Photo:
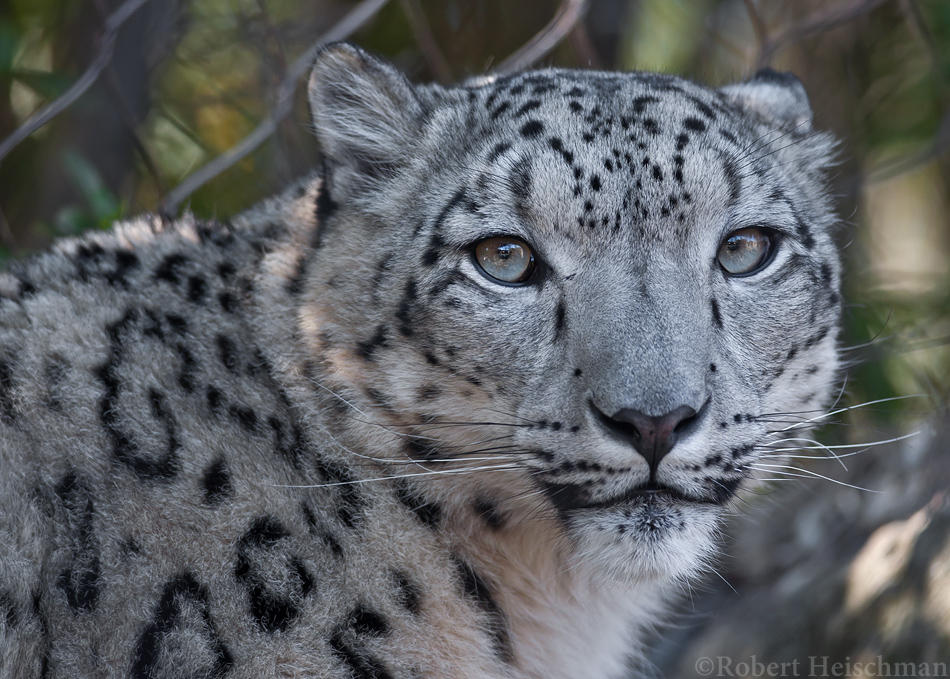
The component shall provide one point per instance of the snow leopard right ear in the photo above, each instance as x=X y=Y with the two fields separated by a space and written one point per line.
x=365 y=112
x=778 y=98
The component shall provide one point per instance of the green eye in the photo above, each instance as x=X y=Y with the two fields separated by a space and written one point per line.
x=746 y=251
x=505 y=259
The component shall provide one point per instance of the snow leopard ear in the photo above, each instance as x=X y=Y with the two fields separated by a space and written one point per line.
x=365 y=112
x=777 y=97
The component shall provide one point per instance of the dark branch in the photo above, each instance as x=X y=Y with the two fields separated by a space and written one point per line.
x=568 y=14
x=817 y=22
x=358 y=16
x=78 y=88
x=427 y=44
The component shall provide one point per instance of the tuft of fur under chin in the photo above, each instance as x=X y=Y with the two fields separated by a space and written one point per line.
x=672 y=550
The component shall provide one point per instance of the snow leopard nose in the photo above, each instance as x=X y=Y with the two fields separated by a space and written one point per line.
x=652 y=435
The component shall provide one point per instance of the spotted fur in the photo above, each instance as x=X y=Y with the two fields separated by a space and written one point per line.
x=316 y=441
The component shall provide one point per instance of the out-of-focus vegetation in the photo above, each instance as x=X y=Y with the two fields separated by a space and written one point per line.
x=190 y=78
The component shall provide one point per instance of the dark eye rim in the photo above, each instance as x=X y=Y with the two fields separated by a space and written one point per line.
x=774 y=237
x=535 y=266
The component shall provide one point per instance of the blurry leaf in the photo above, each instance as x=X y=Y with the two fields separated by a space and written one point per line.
x=9 y=41
x=103 y=206
x=47 y=85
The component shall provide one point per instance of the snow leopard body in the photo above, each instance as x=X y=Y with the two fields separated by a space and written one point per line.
x=316 y=440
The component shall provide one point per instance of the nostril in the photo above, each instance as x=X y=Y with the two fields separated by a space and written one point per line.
x=653 y=436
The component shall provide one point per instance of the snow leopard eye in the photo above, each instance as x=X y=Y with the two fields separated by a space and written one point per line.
x=505 y=259
x=746 y=251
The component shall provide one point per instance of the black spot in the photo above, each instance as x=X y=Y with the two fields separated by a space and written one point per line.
x=215 y=398
x=431 y=255
x=427 y=392
x=817 y=337
x=274 y=602
x=244 y=416
x=457 y=199
x=712 y=367
x=352 y=503
x=498 y=149
x=578 y=372
x=197 y=289
x=366 y=621
x=732 y=178
x=423 y=449
x=477 y=590
x=532 y=128
x=325 y=205
x=125 y=262
x=216 y=482
x=429 y=513
x=724 y=489
x=559 y=319
x=804 y=233
x=408 y=593
x=153 y=327
x=177 y=323
x=170 y=268
x=694 y=124
x=487 y=510
x=526 y=108
x=368 y=348
x=361 y=664
x=328 y=538
x=171 y=619
x=640 y=103
x=7 y=412
x=186 y=376
x=404 y=311
x=227 y=301
x=501 y=108
x=556 y=144
x=79 y=581
x=717 y=316
x=227 y=352
x=595 y=182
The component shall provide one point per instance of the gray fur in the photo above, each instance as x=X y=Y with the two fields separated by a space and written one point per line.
x=199 y=421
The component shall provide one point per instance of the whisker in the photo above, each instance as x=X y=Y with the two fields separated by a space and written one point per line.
x=863 y=405
x=777 y=469
x=397 y=476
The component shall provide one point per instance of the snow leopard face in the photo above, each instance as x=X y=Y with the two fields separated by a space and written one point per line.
x=597 y=292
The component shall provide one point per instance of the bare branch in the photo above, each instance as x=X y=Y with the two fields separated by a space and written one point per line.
x=427 y=44
x=938 y=147
x=78 y=88
x=758 y=26
x=568 y=14
x=580 y=40
x=819 y=21
x=358 y=16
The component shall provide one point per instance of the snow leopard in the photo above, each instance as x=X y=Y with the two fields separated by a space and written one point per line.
x=470 y=400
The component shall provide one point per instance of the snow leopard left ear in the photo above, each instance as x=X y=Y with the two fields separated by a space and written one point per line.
x=779 y=98
x=365 y=112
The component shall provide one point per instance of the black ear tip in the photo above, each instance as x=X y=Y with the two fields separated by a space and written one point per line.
x=773 y=77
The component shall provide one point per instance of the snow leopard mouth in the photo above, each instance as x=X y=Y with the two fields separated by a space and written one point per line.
x=568 y=497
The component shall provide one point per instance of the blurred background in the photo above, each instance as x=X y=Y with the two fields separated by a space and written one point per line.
x=167 y=105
